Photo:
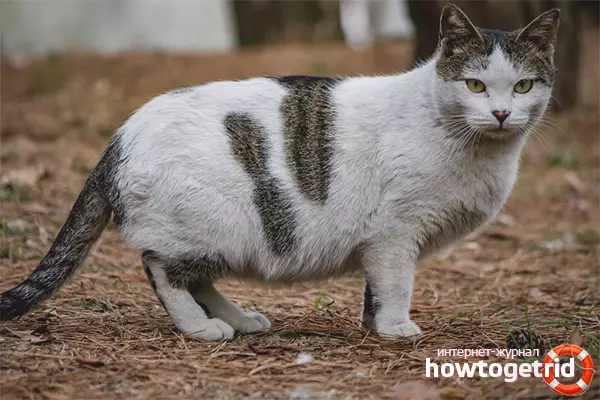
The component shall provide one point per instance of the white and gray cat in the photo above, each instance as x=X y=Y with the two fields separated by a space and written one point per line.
x=301 y=178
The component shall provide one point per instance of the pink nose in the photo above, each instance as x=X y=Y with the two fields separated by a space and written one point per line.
x=501 y=115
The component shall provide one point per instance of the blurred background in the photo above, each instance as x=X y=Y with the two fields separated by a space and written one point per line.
x=72 y=71
x=36 y=28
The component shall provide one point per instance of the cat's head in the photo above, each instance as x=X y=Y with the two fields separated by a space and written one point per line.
x=493 y=82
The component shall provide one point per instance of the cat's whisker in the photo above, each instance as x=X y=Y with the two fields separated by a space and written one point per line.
x=541 y=139
x=550 y=124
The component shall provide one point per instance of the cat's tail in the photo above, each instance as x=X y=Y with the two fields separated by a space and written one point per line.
x=83 y=227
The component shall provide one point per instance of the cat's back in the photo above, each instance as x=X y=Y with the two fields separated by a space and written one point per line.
x=267 y=163
x=196 y=113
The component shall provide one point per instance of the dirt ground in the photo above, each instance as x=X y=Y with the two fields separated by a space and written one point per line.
x=106 y=336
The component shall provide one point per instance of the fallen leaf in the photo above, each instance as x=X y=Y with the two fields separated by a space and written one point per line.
x=258 y=351
x=574 y=182
x=22 y=147
x=505 y=220
x=473 y=246
x=28 y=176
x=91 y=363
x=30 y=337
x=18 y=226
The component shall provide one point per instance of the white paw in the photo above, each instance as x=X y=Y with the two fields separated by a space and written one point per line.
x=209 y=329
x=251 y=322
x=393 y=331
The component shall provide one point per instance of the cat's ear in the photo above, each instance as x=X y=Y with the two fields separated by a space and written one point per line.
x=456 y=27
x=542 y=31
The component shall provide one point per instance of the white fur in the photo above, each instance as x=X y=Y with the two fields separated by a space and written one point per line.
x=229 y=312
x=187 y=315
x=397 y=178
x=499 y=79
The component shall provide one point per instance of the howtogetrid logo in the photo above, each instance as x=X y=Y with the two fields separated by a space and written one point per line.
x=552 y=369
x=552 y=365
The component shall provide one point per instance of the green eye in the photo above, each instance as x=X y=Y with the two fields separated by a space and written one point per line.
x=475 y=85
x=523 y=86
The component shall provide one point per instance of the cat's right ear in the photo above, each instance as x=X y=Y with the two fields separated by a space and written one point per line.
x=456 y=28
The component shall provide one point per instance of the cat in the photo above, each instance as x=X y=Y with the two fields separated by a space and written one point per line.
x=287 y=179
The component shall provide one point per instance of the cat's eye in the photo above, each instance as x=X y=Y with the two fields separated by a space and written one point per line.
x=523 y=86
x=475 y=86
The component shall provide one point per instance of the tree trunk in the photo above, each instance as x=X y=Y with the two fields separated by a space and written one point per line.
x=567 y=56
x=262 y=22
x=425 y=15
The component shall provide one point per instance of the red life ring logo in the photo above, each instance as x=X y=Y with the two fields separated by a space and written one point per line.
x=551 y=363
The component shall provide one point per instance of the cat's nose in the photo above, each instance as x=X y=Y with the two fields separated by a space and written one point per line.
x=501 y=115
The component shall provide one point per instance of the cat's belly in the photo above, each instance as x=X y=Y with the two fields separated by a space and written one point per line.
x=314 y=258
x=283 y=271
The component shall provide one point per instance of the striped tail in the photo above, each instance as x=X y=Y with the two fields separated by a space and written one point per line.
x=83 y=227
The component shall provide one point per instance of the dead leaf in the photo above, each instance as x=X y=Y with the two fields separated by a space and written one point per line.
x=28 y=176
x=30 y=337
x=18 y=226
x=91 y=363
x=472 y=246
x=259 y=351
x=505 y=220
x=25 y=149
x=574 y=182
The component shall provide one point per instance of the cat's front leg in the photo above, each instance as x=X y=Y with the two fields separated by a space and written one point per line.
x=389 y=274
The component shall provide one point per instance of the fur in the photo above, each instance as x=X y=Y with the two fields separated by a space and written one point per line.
x=302 y=178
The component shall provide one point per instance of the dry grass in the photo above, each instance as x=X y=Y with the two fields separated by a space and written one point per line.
x=105 y=335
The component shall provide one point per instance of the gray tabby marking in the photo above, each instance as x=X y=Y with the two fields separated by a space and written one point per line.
x=370 y=306
x=188 y=271
x=308 y=128
x=85 y=223
x=465 y=46
x=151 y=280
x=250 y=149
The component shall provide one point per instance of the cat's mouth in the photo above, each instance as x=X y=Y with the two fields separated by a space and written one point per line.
x=500 y=132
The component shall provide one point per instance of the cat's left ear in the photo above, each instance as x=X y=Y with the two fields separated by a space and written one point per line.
x=542 y=31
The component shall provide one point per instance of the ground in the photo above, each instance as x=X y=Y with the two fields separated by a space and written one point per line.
x=106 y=336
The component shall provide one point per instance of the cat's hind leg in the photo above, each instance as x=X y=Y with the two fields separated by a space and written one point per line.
x=219 y=306
x=186 y=313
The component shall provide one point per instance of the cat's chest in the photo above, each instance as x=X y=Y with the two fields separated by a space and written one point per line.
x=460 y=201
